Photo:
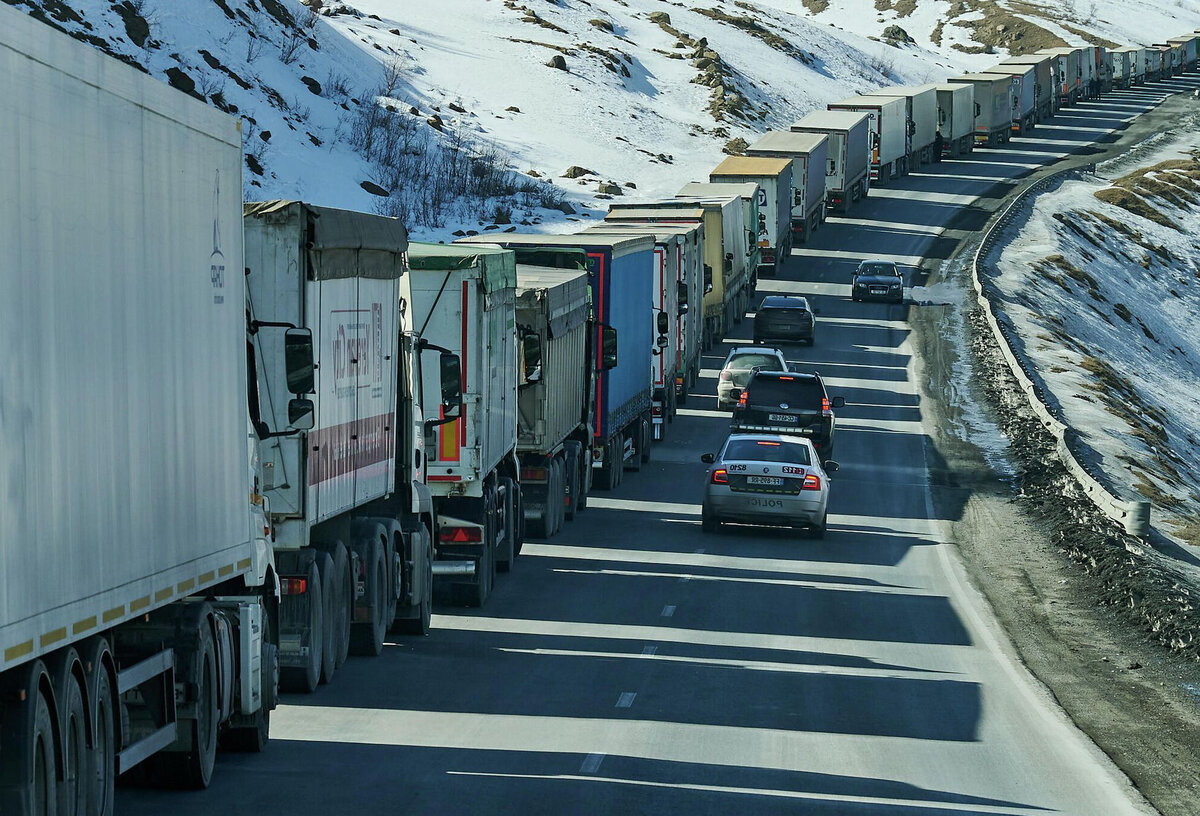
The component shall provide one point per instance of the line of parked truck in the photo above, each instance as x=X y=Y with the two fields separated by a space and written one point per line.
x=244 y=440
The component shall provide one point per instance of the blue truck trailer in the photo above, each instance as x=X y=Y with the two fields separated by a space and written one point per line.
x=626 y=332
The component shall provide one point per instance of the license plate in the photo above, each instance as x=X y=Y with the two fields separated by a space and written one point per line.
x=878 y=290
x=775 y=481
x=781 y=418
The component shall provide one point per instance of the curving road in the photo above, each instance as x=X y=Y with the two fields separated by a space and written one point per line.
x=634 y=665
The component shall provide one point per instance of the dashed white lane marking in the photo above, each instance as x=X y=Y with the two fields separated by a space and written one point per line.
x=668 y=611
x=649 y=650
x=626 y=699
x=591 y=763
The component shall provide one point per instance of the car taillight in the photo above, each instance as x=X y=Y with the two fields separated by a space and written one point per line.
x=293 y=586
x=656 y=411
x=742 y=398
x=825 y=404
x=812 y=482
x=720 y=476
x=726 y=375
x=461 y=535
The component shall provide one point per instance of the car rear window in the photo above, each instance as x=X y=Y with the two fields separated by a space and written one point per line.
x=797 y=392
x=748 y=361
x=784 y=303
x=763 y=450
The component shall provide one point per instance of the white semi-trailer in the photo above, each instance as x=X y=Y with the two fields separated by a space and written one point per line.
x=889 y=138
x=848 y=154
x=956 y=117
x=138 y=591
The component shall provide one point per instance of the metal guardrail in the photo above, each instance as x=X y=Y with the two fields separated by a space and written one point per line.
x=1134 y=516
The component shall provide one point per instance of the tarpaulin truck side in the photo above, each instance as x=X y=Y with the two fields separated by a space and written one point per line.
x=956 y=117
x=1024 y=95
x=463 y=301
x=848 y=156
x=556 y=381
x=1043 y=82
x=773 y=177
x=922 y=119
x=620 y=274
x=993 y=106
x=689 y=267
x=809 y=153
x=726 y=288
x=127 y=478
x=889 y=136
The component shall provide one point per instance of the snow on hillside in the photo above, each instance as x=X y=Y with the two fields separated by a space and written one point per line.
x=1103 y=286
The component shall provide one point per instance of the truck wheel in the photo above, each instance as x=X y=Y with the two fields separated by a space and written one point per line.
x=72 y=729
x=102 y=765
x=571 y=503
x=508 y=550
x=485 y=565
x=419 y=615
x=303 y=679
x=557 y=495
x=608 y=468
x=253 y=738
x=644 y=451
x=367 y=638
x=27 y=738
x=329 y=636
x=192 y=769
x=345 y=602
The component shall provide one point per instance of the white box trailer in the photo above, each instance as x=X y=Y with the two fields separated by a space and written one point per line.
x=1024 y=91
x=922 y=117
x=1124 y=67
x=1187 y=48
x=1068 y=71
x=888 y=133
x=1043 y=82
x=993 y=106
x=127 y=481
x=1155 y=65
x=809 y=154
x=773 y=225
x=555 y=390
x=1089 y=78
x=956 y=117
x=848 y=154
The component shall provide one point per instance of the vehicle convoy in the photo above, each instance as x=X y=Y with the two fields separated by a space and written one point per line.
x=956 y=118
x=555 y=394
x=773 y=222
x=773 y=479
x=139 y=620
x=1024 y=95
x=726 y=281
x=1043 y=81
x=620 y=274
x=689 y=266
x=786 y=318
x=877 y=280
x=809 y=154
x=921 y=111
x=848 y=154
x=889 y=138
x=791 y=403
x=993 y=106
x=740 y=363
x=749 y=194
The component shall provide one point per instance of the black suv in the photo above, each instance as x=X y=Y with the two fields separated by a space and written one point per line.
x=785 y=318
x=788 y=402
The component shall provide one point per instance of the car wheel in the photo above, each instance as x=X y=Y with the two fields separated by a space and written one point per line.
x=708 y=522
x=818 y=529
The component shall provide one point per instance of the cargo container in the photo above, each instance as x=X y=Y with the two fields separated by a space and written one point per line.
x=1123 y=67
x=1106 y=70
x=555 y=394
x=135 y=563
x=1068 y=71
x=922 y=119
x=1089 y=79
x=809 y=154
x=1024 y=95
x=726 y=290
x=1172 y=58
x=848 y=154
x=1138 y=67
x=1187 y=49
x=1154 y=63
x=1043 y=82
x=993 y=106
x=956 y=117
x=749 y=194
x=691 y=282
x=889 y=137
x=773 y=220
x=620 y=274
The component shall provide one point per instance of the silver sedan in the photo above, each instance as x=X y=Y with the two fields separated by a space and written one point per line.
x=773 y=479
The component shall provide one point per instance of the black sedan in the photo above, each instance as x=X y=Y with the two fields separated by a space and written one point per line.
x=877 y=280
x=785 y=319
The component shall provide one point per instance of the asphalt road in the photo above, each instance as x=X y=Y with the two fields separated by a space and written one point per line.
x=633 y=664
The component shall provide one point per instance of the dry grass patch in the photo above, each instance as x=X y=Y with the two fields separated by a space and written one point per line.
x=999 y=28
x=815 y=6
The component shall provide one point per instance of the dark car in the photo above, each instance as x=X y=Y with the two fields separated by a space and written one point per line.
x=789 y=403
x=877 y=280
x=785 y=318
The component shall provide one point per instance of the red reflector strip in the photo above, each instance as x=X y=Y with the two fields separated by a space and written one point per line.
x=293 y=586
x=720 y=476
x=534 y=474
x=461 y=535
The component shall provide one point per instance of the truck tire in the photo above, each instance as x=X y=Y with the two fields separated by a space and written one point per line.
x=366 y=638
x=253 y=738
x=485 y=566
x=421 y=612
x=345 y=602
x=560 y=502
x=101 y=707
x=331 y=617
x=508 y=550
x=65 y=667
x=29 y=777
x=574 y=480
x=304 y=679
x=644 y=450
x=192 y=768
x=609 y=468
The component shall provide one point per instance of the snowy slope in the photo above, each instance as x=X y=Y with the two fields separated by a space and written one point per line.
x=1105 y=303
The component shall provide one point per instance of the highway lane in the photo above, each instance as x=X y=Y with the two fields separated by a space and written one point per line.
x=633 y=664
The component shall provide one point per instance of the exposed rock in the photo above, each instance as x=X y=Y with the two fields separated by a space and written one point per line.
x=735 y=147
x=565 y=208
x=374 y=189
x=457 y=108
x=312 y=84
x=896 y=34
x=458 y=234
x=631 y=185
x=533 y=173
x=265 y=135
x=659 y=18
x=609 y=188
x=180 y=81
x=558 y=61
x=513 y=109
x=575 y=171
x=435 y=122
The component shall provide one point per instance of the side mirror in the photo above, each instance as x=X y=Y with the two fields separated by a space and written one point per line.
x=838 y=402
x=298 y=361
x=302 y=414
x=451 y=385
x=662 y=341
x=608 y=350
x=708 y=458
x=663 y=322
x=683 y=310
x=830 y=466
x=683 y=293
